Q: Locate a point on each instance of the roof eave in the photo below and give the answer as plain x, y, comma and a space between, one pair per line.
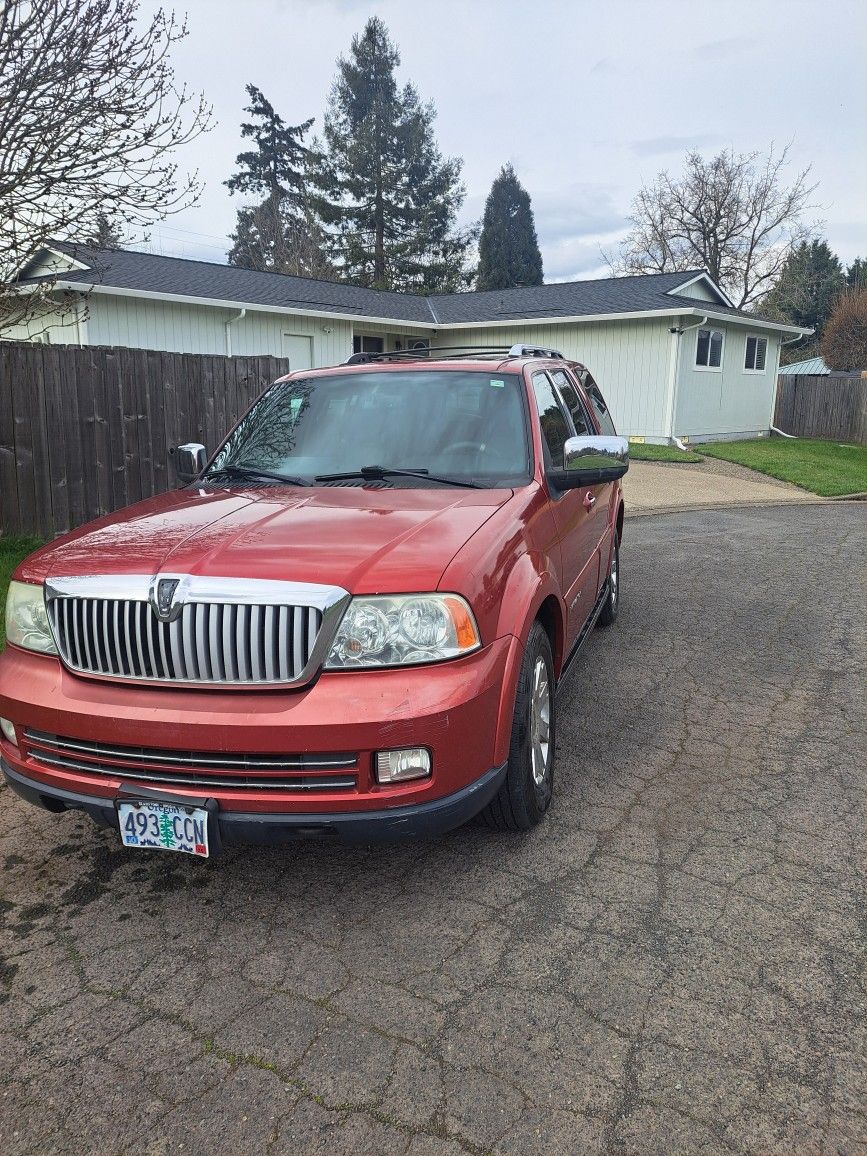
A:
219, 303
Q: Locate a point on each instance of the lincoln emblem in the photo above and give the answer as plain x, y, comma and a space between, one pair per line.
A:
162, 598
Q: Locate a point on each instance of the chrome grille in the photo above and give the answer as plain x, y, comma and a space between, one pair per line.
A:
217, 633
198, 769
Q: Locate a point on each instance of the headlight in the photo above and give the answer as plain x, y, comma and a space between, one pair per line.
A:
27, 618
403, 630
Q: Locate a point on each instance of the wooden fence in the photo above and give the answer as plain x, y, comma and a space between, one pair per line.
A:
822, 406
86, 431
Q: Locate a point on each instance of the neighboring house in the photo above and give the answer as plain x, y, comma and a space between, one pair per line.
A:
813, 366
672, 355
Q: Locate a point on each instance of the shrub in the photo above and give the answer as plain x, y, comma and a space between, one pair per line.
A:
844, 342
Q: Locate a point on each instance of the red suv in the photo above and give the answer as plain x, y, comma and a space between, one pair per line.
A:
352, 620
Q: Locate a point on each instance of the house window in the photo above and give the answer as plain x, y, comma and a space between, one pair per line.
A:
756, 354
361, 343
708, 349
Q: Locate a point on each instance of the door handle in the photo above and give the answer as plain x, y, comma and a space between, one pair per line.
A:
589, 500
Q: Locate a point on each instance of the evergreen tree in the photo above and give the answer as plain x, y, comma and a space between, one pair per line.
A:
856, 274
278, 232
387, 196
106, 235
810, 282
508, 250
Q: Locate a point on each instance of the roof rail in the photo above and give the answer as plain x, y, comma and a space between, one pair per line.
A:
533, 351
454, 352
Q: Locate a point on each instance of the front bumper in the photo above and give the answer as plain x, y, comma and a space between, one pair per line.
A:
460, 710
407, 822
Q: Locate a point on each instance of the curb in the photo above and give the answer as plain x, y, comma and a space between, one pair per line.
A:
806, 501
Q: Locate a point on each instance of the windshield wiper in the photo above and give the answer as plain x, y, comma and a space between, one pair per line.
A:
253, 472
380, 473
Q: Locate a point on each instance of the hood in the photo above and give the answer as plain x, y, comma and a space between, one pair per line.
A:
365, 539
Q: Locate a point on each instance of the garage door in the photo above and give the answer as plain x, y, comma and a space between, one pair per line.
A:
299, 350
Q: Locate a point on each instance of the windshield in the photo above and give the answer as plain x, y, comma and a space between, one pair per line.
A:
448, 423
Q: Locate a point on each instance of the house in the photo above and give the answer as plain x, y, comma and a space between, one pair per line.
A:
672, 355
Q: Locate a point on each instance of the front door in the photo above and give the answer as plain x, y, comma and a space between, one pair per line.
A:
298, 350
573, 514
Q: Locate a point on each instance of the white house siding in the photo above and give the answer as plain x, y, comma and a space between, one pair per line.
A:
699, 290
628, 359
728, 402
55, 327
182, 328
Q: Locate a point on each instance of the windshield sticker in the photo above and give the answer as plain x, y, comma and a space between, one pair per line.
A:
497, 384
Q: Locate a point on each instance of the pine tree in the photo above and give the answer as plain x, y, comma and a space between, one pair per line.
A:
508, 250
809, 284
856, 274
106, 235
388, 197
278, 232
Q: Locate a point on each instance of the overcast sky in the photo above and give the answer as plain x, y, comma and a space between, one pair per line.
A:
587, 98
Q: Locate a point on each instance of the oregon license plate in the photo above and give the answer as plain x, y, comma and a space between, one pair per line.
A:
154, 825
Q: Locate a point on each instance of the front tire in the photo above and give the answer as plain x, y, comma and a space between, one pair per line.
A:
526, 792
612, 603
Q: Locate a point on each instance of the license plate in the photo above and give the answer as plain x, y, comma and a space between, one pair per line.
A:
152, 825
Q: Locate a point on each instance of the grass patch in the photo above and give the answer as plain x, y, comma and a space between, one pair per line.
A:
822, 467
644, 452
12, 550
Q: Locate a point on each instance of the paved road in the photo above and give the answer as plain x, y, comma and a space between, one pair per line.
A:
671, 965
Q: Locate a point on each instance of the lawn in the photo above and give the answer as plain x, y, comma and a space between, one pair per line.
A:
12, 550
823, 467
644, 452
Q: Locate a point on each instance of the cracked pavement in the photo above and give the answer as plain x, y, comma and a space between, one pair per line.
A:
672, 963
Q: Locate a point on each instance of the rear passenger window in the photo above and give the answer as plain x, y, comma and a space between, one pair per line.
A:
555, 431
594, 394
573, 403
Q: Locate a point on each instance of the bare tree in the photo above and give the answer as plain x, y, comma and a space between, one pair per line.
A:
90, 116
732, 215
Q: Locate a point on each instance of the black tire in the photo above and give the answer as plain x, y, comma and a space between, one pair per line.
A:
525, 795
612, 603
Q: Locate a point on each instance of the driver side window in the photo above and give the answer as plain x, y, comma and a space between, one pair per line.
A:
555, 429
569, 393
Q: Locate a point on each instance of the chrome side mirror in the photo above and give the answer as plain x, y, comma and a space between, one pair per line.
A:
587, 461
596, 453
190, 459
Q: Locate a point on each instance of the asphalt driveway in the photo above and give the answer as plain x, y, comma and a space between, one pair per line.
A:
671, 964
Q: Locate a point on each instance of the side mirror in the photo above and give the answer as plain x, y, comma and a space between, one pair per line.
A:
587, 461
190, 459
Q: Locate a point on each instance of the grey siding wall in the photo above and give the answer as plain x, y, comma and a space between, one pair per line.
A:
176, 327
629, 359
728, 401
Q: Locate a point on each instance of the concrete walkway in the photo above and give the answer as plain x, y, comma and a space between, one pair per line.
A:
652, 487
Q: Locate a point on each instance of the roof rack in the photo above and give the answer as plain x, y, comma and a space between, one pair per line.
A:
455, 353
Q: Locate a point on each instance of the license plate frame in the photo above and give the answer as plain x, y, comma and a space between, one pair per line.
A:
175, 823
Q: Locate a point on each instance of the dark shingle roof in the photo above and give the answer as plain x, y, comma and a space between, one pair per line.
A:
148, 272
566, 299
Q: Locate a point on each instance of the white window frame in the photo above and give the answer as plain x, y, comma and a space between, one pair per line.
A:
758, 337
722, 352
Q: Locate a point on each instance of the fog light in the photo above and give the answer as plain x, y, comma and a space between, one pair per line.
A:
8, 731
396, 766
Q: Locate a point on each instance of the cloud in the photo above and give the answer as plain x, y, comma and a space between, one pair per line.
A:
719, 49
659, 145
